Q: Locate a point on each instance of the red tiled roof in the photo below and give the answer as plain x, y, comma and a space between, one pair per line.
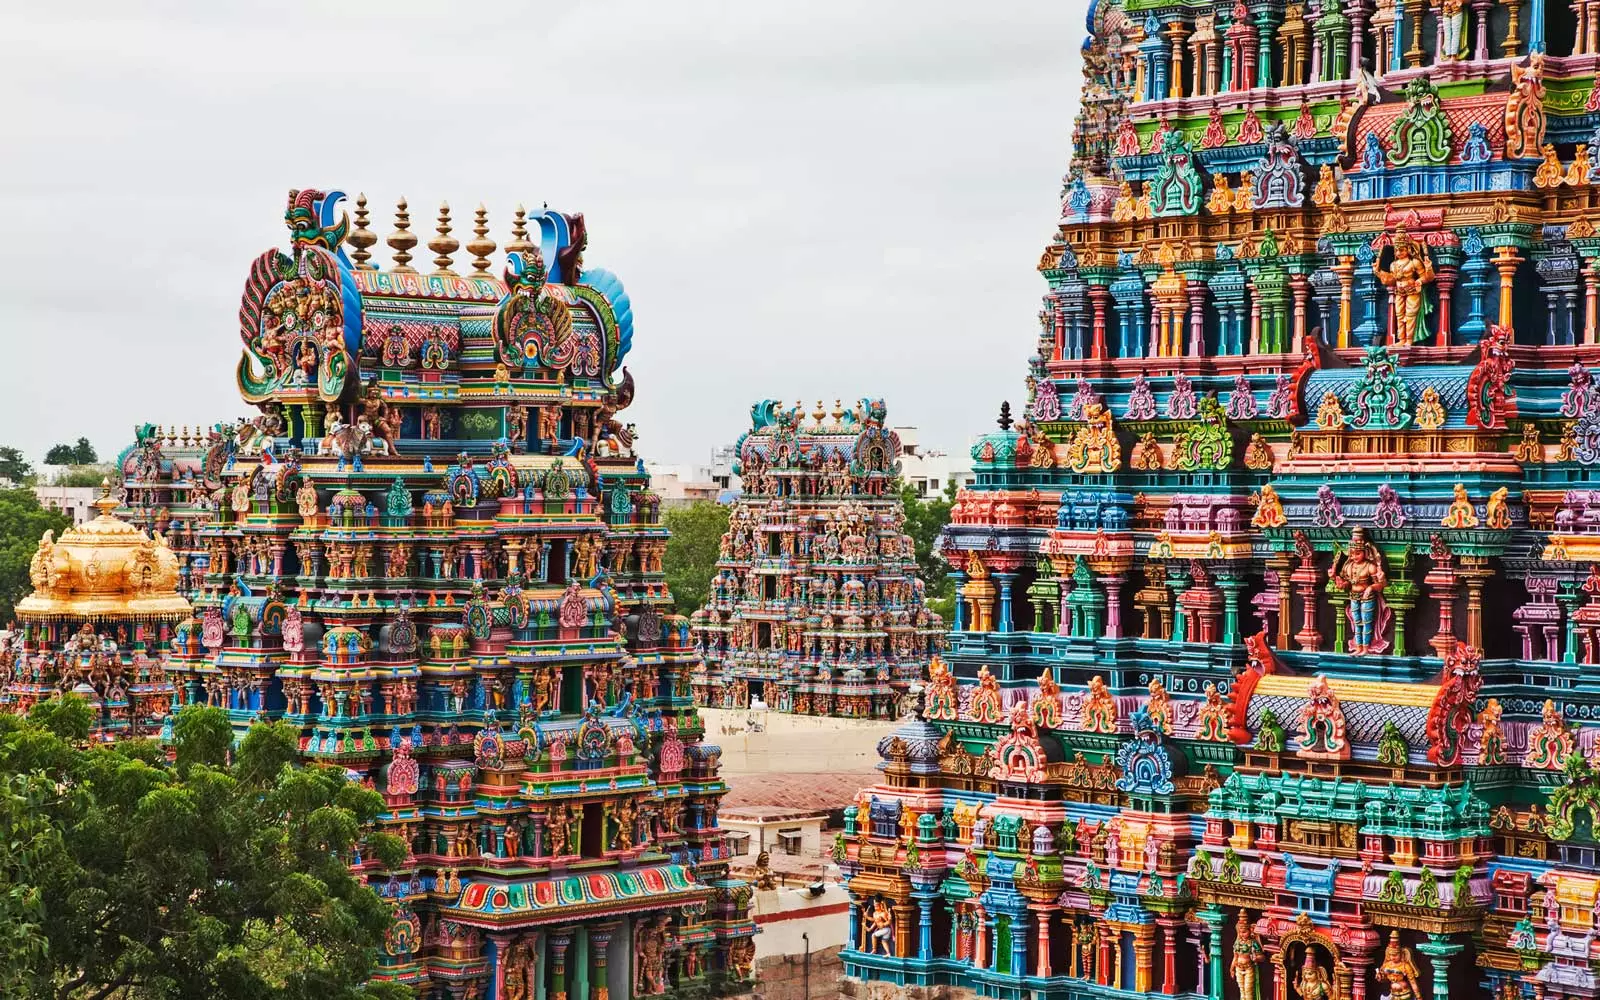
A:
826, 791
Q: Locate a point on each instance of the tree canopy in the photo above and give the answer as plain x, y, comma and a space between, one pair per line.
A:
14, 465
22, 523
691, 559
80, 453
132, 876
925, 518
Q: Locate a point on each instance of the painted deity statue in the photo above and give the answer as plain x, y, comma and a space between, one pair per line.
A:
1312, 983
878, 930
1322, 724
1492, 743
943, 697
1407, 278
1213, 716
1247, 952
1099, 709
1399, 970
985, 706
1549, 743
1461, 513
1455, 30
1160, 706
1269, 509
1047, 704
1360, 573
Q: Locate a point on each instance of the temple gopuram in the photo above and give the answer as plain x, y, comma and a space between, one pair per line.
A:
816, 608
1270, 674
434, 553
99, 624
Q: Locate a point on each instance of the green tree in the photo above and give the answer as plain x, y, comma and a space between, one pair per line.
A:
691, 559
81, 453
14, 466
22, 523
925, 518
140, 878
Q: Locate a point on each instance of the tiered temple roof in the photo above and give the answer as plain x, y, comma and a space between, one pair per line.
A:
816, 607
1276, 606
435, 554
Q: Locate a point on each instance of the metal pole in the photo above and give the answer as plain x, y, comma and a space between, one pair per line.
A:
805, 972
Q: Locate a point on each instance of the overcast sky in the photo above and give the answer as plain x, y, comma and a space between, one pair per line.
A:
804, 198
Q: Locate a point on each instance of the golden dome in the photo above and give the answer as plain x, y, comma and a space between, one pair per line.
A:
104, 569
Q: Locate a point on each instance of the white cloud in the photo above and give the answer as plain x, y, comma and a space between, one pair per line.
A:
804, 197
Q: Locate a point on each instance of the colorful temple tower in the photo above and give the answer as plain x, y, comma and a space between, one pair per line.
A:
435, 554
1270, 669
816, 607
164, 490
99, 624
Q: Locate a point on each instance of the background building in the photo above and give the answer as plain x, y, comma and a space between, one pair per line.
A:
816, 607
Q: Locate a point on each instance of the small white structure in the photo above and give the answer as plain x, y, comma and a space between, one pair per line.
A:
930, 471
77, 501
774, 829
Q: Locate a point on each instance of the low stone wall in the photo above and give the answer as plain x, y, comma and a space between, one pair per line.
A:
851, 988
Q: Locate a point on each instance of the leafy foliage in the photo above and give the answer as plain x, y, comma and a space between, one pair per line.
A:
81, 453
926, 517
82, 475
22, 522
691, 559
14, 466
138, 878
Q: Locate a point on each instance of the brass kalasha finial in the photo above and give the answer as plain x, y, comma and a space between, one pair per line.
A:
519, 233
444, 244
818, 413
838, 411
402, 240
361, 237
481, 245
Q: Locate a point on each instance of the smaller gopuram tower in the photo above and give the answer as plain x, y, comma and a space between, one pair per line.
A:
98, 624
816, 607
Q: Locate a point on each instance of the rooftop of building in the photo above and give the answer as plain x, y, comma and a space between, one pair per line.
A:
802, 794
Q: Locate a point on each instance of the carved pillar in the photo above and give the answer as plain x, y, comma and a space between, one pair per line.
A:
1299, 287
1112, 583
1099, 295
599, 939
1589, 297
559, 939
1448, 260
1197, 319
1102, 965
1177, 32
980, 937
1475, 571
925, 928
1440, 950
1506, 259
1214, 919
1441, 581
1344, 270
960, 623
1255, 320
1480, 11
1231, 586
1169, 955
1041, 918
1004, 580
1511, 43
1144, 964
1305, 582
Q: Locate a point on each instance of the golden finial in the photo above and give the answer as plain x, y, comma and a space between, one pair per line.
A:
838, 411
361, 237
818, 413
444, 244
402, 239
105, 505
481, 245
519, 233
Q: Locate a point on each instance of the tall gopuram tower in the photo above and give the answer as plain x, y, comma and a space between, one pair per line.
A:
99, 624
435, 554
816, 607
1280, 598
164, 489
